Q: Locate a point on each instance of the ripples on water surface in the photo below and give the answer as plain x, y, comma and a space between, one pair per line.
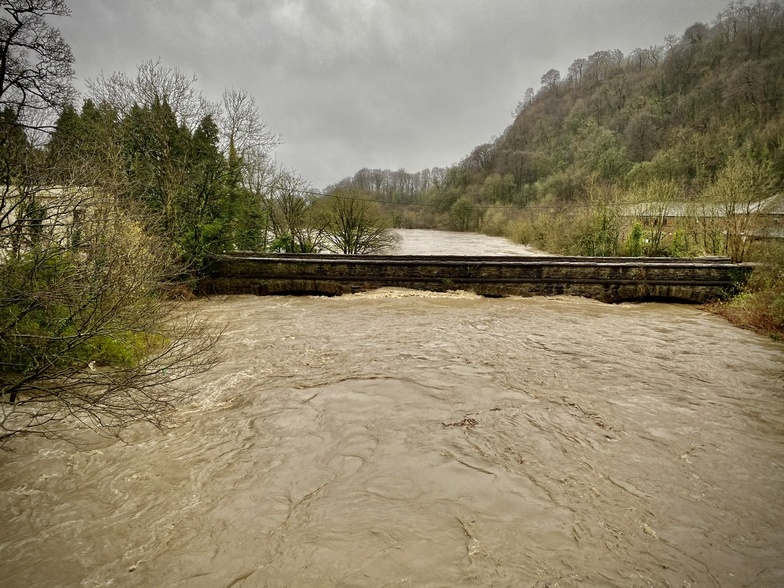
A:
401, 438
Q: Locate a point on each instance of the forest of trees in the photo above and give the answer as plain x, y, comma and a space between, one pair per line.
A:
692, 125
672, 150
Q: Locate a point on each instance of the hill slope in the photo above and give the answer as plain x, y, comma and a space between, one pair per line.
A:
696, 119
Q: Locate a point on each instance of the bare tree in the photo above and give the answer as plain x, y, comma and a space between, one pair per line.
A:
154, 84
550, 80
480, 159
35, 78
739, 190
35, 61
291, 205
354, 224
248, 143
576, 71
244, 130
654, 54
528, 99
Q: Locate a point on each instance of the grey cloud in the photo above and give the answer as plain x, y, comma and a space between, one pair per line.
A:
376, 83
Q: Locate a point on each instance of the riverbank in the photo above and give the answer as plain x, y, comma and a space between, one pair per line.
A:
760, 305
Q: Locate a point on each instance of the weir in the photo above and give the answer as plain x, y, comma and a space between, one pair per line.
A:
602, 278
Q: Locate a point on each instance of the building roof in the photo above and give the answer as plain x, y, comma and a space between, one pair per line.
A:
773, 205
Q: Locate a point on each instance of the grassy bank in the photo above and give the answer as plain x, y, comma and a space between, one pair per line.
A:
760, 305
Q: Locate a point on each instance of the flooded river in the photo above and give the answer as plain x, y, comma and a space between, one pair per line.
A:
424, 242
404, 438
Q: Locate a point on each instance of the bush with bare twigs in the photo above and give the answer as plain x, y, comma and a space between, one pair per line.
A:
85, 330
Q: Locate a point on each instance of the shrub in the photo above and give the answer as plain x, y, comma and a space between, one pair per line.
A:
760, 306
85, 331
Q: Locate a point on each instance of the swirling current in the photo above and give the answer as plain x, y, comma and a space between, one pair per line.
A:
417, 439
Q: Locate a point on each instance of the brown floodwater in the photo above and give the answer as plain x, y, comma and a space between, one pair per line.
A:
426, 242
402, 438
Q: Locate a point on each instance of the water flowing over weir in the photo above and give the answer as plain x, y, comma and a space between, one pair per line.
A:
605, 279
439, 261
411, 438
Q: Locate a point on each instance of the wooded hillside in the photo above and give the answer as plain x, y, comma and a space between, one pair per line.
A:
696, 119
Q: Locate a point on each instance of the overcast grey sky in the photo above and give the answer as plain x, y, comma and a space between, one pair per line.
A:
370, 83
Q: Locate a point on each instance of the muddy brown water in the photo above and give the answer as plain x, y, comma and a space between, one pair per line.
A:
402, 438
425, 242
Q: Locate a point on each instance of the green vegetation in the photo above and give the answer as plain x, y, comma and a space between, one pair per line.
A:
91, 235
672, 150
86, 330
108, 208
760, 306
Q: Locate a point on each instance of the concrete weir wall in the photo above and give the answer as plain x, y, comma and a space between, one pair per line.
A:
602, 278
